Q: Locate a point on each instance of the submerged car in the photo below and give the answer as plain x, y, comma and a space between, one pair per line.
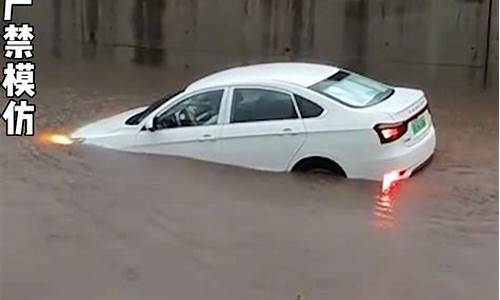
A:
282, 117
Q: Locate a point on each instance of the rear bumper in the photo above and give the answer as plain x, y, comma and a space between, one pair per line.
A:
420, 156
404, 160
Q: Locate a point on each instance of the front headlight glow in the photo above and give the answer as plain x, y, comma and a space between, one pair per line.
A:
61, 139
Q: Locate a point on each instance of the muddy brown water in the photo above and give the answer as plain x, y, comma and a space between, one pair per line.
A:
86, 223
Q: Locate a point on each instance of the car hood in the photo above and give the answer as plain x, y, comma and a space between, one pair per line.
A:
106, 126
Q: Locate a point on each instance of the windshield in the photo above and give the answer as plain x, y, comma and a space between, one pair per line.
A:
353, 89
137, 118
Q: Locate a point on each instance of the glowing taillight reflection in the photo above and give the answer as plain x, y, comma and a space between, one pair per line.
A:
389, 180
384, 211
385, 201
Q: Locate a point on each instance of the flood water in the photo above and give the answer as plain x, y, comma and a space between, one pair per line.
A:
85, 223
80, 222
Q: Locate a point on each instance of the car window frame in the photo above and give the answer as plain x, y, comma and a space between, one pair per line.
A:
171, 104
229, 106
323, 112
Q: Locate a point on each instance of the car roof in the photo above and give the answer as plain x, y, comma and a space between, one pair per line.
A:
303, 74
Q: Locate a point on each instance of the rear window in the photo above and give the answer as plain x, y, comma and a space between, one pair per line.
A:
353, 89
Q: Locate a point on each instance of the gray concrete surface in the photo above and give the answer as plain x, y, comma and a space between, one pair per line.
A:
422, 40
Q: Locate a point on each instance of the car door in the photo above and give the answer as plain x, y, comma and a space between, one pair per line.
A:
263, 129
189, 128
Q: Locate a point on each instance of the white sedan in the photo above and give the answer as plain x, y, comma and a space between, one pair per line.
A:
282, 117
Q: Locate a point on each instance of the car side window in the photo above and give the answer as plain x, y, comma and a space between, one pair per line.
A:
198, 110
308, 109
252, 105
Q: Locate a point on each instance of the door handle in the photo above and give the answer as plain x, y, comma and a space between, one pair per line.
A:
206, 137
288, 131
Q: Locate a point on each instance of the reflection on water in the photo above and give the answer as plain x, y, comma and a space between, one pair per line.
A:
384, 208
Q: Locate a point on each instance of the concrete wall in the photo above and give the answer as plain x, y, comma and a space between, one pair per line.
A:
403, 41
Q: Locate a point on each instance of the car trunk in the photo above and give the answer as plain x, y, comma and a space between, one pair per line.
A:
410, 106
402, 104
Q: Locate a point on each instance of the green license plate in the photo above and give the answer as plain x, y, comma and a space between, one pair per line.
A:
418, 124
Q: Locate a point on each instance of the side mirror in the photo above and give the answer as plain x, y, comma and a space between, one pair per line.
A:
150, 125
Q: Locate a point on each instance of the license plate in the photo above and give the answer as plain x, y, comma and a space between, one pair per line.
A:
418, 125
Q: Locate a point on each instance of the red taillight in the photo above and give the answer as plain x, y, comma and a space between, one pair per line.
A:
390, 132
